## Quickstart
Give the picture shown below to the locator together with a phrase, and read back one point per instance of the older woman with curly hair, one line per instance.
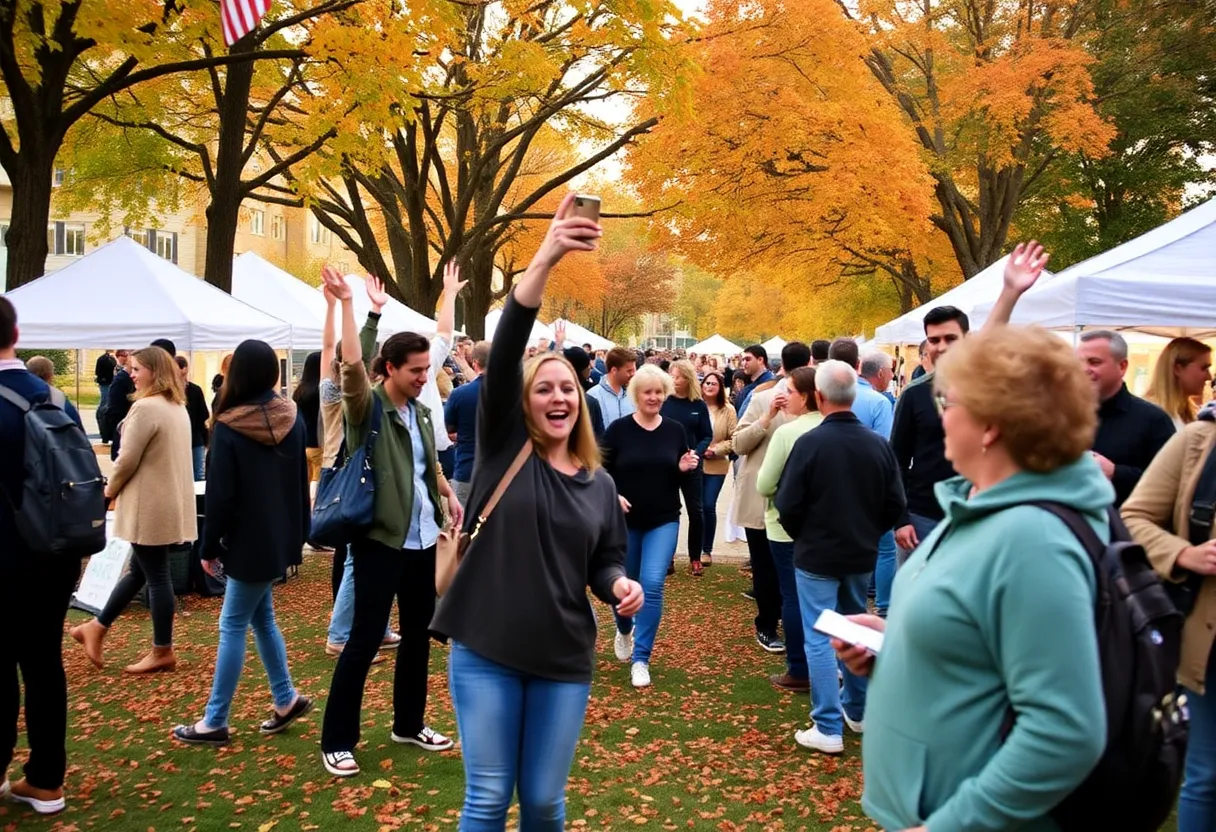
(993, 615)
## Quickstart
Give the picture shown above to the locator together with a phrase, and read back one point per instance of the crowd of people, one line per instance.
(920, 517)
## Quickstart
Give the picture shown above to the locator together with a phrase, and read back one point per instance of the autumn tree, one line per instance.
(443, 179)
(697, 299)
(58, 61)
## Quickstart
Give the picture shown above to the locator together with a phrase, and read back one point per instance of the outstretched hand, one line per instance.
(335, 284)
(559, 333)
(1024, 266)
(452, 283)
(375, 293)
(568, 233)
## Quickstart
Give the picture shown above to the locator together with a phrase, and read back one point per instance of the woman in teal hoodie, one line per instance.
(993, 614)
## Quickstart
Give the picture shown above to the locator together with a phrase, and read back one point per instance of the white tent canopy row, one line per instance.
(773, 346)
(121, 294)
(577, 335)
(715, 345)
(539, 330)
(1162, 282)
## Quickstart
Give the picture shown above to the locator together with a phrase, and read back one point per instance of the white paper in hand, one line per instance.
(832, 623)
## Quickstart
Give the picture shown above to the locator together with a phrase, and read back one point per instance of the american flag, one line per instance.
(239, 17)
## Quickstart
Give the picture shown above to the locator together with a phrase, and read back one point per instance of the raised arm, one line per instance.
(452, 284)
(329, 338)
(356, 391)
(1022, 271)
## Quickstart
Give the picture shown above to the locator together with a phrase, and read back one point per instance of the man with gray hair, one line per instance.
(840, 491)
(1130, 430)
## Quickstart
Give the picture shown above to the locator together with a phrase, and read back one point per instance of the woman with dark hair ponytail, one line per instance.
(257, 516)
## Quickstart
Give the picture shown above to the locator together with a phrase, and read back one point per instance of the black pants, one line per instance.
(690, 487)
(335, 572)
(764, 582)
(382, 573)
(34, 597)
(150, 565)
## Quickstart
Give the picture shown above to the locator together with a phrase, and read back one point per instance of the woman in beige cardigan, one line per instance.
(1156, 512)
(153, 484)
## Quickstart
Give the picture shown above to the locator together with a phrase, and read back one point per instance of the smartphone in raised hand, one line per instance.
(587, 206)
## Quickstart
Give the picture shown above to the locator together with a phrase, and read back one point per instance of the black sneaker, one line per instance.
(749, 595)
(770, 642)
(426, 739)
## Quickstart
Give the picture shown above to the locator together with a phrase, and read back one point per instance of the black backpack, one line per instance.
(1135, 785)
(62, 506)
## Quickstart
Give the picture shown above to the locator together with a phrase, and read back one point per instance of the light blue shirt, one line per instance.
(613, 405)
(423, 531)
(873, 409)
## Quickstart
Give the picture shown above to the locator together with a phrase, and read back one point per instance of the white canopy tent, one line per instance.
(265, 286)
(396, 316)
(122, 295)
(773, 346)
(970, 296)
(715, 345)
(539, 330)
(577, 335)
(1162, 282)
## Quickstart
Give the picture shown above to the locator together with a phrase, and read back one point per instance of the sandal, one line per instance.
(340, 763)
(189, 735)
(278, 723)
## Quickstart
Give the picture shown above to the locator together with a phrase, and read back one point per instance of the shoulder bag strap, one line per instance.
(506, 481)
(1203, 503)
(15, 398)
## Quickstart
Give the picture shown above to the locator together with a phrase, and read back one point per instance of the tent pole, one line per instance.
(289, 371)
(1076, 336)
(79, 359)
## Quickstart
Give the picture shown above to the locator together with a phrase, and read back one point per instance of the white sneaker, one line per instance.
(857, 726)
(639, 675)
(815, 741)
(623, 645)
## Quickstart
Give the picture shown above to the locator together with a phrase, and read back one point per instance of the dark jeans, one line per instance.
(924, 527)
(447, 461)
(791, 613)
(711, 488)
(34, 596)
(150, 565)
(690, 488)
(382, 573)
(764, 582)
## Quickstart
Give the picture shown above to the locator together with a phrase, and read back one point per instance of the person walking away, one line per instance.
(647, 457)
(993, 615)
(1159, 508)
(839, 492)
(916, 435)
(153, 486)
(44, 369)
(1131, 431)
(255, 522)
(765, 413)
(118, 401)
(520, 703)
(196, 406)
(103, 374)
(1183, 371)
(217, 382)
(611, 394)
(685, 406)
(307, 396)
(460, 416)
(803, 413)
(396, 557)
(34, 595)
(716, 464)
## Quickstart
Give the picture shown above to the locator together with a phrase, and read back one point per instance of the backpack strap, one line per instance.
(12, 397)
(59, 398)
(1203, 503)
(1080, 527)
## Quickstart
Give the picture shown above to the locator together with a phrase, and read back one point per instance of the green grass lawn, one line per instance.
(709, 746)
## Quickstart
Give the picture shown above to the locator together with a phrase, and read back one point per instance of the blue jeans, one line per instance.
(517, 731)
(343, 616)
(1197, 804)
(247, 605)
(847, 596)
(791, 612)
(646, 561)
(197, 453)
(924, 527)
(884, 572)
(711, 489)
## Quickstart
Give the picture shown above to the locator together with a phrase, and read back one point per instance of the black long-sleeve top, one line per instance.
(839, 493)
(519, 597)
(920, 448)
(196, 406)
(1130, 433)
(694, 416)
(118, 405)
(645, 464)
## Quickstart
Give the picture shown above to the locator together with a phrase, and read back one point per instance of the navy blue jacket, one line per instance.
(694, 416)
(118, 405)
(12, 451)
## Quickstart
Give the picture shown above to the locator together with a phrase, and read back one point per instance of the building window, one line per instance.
(166, 245)
(278, 227)
(4, 233)
(319, 233)
(73, 240)
(139, 235)
(60, 175)
(257, 223)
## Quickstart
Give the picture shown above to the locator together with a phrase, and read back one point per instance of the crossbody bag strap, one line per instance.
(1203, 503)
(503, 484)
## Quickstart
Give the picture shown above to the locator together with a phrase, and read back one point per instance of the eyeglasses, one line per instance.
(942, 404)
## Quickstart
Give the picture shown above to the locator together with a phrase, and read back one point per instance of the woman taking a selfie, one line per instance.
(993, 614)
(557, 531)
(153, 485)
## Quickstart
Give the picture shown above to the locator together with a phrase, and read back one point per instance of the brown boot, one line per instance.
(90, 635)
(160, 660)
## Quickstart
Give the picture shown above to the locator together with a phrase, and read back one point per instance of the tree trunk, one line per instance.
(479, 295)
(26, 240)
(228, 189)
